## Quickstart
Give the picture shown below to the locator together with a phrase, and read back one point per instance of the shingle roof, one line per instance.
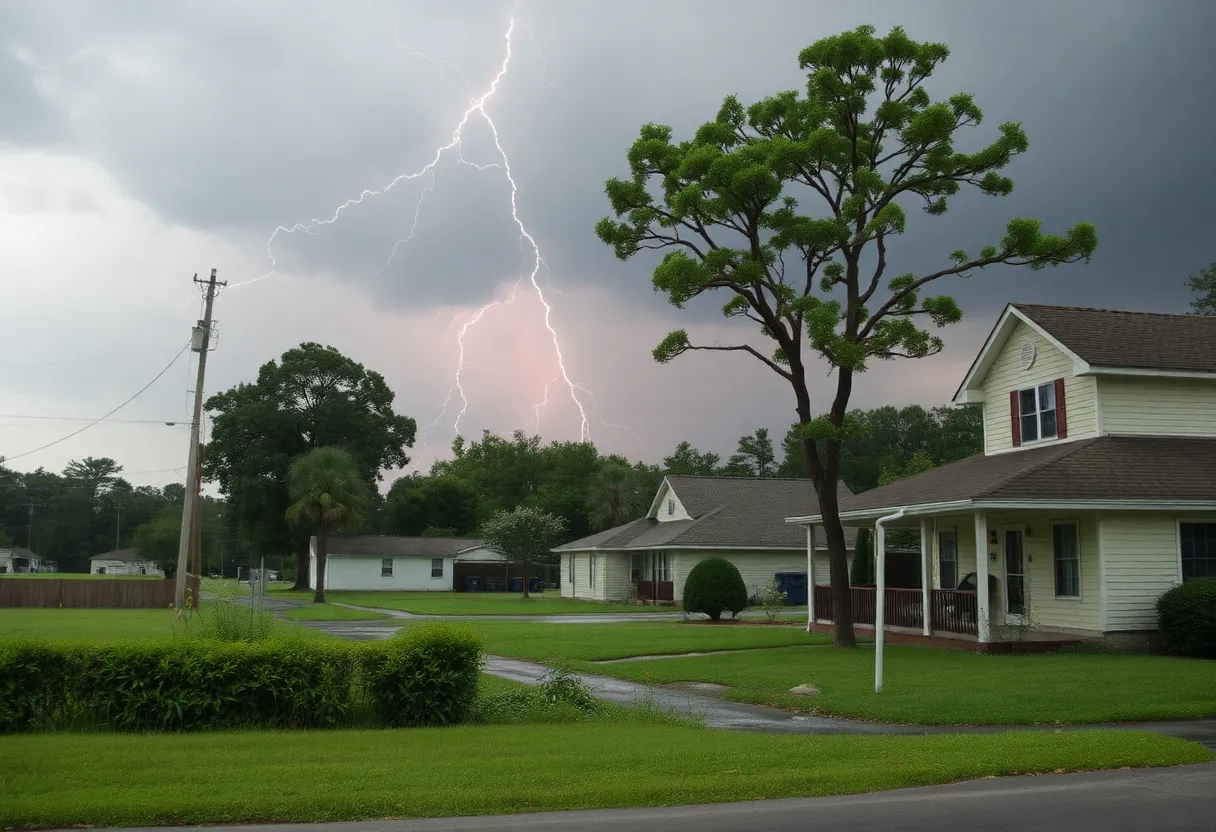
(390, 546)
(1153, 468)
(728, 512)
(1141, 340)
(120, 554)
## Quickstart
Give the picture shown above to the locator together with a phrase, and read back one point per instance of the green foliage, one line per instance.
(1204, 286)
(918, 463)
(615, 497)
(754, 456)
(1186, 616)
(524, 536)
(227, 620)
(417, 503)
(425, 675)
(715, 585)
(861, 573)
(312, 397)
(159, 538)
(327, 494)
(772, 599)
(687, 460)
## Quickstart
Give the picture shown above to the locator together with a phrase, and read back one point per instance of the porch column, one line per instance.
(926, 573)
(981, 576)
(810, 576)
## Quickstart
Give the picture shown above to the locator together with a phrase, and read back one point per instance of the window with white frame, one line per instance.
(637, 567)
(436, 567)
(671, 507)
(591, 572)
(662, 566)
(1198, 541)
(947, 558)
(1037, 413)
(1066, 555)
(386, 568)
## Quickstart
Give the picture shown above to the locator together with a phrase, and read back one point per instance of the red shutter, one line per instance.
(1061, 411)
(1013, 414)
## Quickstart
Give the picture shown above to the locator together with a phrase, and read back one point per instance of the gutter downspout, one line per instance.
(880, 571)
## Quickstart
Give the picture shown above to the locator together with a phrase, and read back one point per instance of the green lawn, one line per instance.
(105, 625)
(332, 612)
(936, 686)
(590, 642)
(60, 780)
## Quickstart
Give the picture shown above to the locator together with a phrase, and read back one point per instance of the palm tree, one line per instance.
(327, 494)
(614, 497)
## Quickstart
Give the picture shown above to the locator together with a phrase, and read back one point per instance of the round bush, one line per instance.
(1186, 615)
(715, 585)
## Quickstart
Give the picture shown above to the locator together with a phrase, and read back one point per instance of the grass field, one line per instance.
(136, 780)
(936, 686)
(106, 625)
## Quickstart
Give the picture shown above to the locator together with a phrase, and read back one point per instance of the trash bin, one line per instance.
(515, 585)
(474, 585)
(536, 584)
(793, 584)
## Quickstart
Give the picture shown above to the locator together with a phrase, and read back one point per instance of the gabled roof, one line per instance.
(392, 546)
(1108, 340)
(18, 552)
(1117, 470)
(727, 512)
(121, 554)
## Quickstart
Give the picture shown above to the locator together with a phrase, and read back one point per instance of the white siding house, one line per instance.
(124, 562)
(375, 562)
(690, 519)
(1096, 489)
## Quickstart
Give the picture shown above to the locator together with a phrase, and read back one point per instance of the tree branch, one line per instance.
(772, 365)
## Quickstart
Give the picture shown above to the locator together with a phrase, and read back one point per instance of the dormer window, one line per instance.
(671, 507)
(1038, 413)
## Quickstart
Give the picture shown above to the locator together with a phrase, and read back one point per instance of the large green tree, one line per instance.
(328, 493)
(418, 503)
(312, 397)
(754, 456)
(687, 460)
(615, 497)
(790, 206)
(1204, 287)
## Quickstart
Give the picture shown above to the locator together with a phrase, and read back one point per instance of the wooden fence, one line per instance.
(93, 593)
(950, 610)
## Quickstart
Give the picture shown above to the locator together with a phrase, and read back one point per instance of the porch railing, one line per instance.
(950, 611)
(647, 590)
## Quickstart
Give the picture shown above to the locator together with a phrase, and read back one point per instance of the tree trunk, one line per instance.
(527, 572)
(322, 546)
(301, 566)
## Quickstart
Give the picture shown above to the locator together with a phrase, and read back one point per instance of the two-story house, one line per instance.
(1094, 494)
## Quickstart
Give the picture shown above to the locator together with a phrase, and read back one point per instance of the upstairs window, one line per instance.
(671, 507)
(1037, 413)
(386, 568)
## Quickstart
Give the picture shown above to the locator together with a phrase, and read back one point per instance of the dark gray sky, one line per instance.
(144, 141)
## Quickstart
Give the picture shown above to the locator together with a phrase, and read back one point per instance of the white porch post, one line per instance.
(981, 576)
(810, 576)
(925, 574)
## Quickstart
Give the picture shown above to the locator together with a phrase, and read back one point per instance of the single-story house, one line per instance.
(19, 559)
(693, 518)
(123, 562)
(371, 562)
(1094, 494)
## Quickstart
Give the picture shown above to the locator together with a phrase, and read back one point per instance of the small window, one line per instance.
(947, 558)
(1037, 413)
(671, 507)
(1066, 552)
(570, 570)
(591, 572)
(386, 568)
(1198, 542)
(436, 567)
(637, 568)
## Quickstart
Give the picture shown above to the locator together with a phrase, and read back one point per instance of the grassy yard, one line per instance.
(935, 686)
(59, 780)
(591, 642)
(106, 625)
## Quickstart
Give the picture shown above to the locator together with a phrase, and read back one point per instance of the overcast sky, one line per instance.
(142, 142)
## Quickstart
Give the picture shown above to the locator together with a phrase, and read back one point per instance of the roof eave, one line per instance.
(995, 504)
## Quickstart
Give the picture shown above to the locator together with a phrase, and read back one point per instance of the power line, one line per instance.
(84, 360)
(108, 415)
(169, 422)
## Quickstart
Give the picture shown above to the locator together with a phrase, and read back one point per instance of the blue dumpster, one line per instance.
(793, 584)
(536, 584)
(515, 585)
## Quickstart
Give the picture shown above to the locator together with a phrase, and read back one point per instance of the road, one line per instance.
(1163, 800)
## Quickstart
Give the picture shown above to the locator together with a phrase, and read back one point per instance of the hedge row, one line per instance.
(423, 676)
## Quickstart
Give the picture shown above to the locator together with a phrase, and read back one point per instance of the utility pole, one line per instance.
(117, 523)
(200, 343)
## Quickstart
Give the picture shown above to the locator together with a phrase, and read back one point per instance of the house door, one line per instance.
(1015, 576)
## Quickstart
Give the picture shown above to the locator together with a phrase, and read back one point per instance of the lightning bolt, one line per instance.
(477, 106)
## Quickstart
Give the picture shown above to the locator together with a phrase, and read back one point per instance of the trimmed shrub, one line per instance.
(34, 677)
(715, 585)
(425, 675)
(1186, 616)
